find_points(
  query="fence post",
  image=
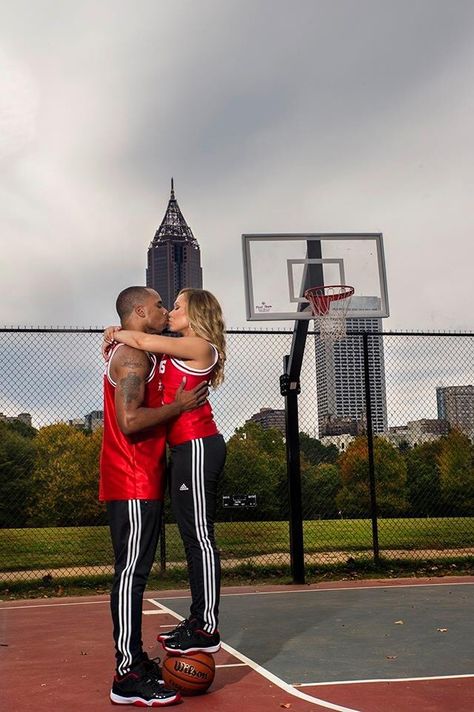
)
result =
(370, 446)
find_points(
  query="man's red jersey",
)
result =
(132, 466)
(197, 423)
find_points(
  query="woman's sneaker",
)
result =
(192, 639)
(170, 633)
(140, 687)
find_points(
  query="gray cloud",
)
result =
(272, 116)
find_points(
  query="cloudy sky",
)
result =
(272, 116)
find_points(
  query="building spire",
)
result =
(174, 226)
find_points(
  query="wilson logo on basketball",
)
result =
(190, 670)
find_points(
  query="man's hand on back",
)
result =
(189, 400)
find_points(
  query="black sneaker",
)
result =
(140, 687)
(192, 639)
(170, 633)
(153, 668)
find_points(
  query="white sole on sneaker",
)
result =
(211, 650)
(140, 702)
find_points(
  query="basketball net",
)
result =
(329, 305)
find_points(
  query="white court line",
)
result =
(380, 587)
(52, 605)
(154, 613)
(226, 665)
(257, 593)
(382, 679)
(266, 673)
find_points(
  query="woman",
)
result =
(197, 454)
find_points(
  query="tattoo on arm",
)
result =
(130, 387)
(132, 364)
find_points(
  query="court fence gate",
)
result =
(384, 425)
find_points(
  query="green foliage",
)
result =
(256, 464)
(23, 429)
(319, 488)
(16, 466)
(456, 473)
(423, 485)
(315, 452)
(66, 477)
(390, 476)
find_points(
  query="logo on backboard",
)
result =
(263, 307)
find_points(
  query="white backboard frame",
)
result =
(358, 308)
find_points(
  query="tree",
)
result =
(66, 477)
(315, 452)
(256, 464)
(423, 485)
(319, 487)
(23, 429)
(17, 455)
(390, 476)
(456, 474)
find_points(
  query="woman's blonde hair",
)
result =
(206, 320)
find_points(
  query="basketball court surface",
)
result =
(368, 646)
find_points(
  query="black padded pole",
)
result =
(290, 389)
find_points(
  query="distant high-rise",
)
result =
(340, 378)
(456, 405)
(269, 418)
(174, 257)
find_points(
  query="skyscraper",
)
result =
(456, 405)
(340, 379)
(174, 257)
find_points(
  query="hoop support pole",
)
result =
(370, 448)
(294, 480)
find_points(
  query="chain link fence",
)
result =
(420, 445)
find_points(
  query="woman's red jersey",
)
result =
(197, 423)
(132, 466)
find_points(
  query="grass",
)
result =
(76, 547)
(249, 574)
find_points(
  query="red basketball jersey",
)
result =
(198, 423)
(132, 466)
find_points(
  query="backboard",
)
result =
(279, 267)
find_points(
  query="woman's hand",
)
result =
(109, 340)
(109, 333)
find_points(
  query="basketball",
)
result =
(190, 674)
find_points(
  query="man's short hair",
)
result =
(129, 298)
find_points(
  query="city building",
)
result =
(21, 417)
(94, 420)
(340, 377)
(416, 432)
(341, 441)
(269, 418)
(332, 425)
(456, 405)
(174, 257)
(78, 423)
(91, 421)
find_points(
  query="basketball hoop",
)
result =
(329, 305)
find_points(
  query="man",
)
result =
(132, 484)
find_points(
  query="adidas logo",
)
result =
(183, 488)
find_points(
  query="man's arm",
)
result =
(130, 369)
